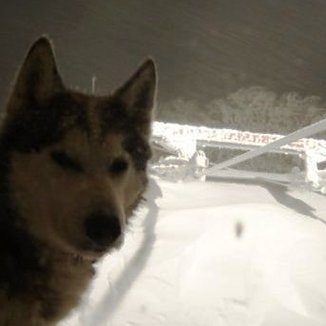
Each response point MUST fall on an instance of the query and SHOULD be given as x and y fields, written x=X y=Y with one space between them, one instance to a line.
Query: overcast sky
x=204 y=49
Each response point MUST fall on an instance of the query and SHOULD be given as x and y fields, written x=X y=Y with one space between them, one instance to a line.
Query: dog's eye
x=66 y=162
x=118 y=166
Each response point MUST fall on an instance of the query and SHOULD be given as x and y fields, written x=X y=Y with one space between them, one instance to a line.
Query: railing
x=184 y=141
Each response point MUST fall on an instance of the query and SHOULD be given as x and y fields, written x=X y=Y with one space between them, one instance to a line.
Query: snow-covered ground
x=215 y=254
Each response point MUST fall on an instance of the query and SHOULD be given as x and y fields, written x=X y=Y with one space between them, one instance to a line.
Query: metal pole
x=93 y=84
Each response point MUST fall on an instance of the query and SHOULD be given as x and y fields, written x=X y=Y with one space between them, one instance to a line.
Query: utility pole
x=93 y=84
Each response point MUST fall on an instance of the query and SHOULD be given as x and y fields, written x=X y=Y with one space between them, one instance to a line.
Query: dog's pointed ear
x=38 y=78
x=138 y=95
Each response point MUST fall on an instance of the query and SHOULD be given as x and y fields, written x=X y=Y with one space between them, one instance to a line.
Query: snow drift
x=215 y=254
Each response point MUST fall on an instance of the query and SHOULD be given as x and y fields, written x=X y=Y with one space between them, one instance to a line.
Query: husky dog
x=72 y=170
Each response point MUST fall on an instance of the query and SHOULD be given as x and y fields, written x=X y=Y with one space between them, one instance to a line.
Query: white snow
x=215 y=254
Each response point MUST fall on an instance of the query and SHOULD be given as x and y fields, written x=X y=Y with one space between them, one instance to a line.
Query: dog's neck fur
x=41 y=279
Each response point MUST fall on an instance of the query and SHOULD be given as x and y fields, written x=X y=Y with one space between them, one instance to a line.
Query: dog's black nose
x=103 y=229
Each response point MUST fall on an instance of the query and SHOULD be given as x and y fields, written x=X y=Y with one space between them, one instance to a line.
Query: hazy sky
x=204 y=49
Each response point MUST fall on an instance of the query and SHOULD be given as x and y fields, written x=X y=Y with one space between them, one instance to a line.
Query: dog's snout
x=103 y=229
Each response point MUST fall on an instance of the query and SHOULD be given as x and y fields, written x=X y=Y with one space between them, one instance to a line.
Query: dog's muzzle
x=103 y=229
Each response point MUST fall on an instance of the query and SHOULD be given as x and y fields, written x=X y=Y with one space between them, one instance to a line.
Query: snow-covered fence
x=184 y=140
x=294 y=141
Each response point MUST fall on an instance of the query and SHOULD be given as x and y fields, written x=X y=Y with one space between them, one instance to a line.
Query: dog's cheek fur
x=133 y=191
x=51 y=204
x=39 y=196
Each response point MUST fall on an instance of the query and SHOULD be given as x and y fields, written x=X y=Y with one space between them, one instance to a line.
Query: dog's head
x=77 y=162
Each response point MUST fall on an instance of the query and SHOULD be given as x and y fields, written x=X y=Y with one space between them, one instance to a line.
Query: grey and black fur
x=72 y=170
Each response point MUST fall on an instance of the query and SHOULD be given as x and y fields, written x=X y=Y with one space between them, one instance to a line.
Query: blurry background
x=256 y=65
